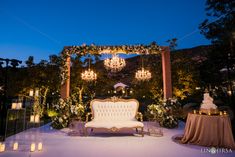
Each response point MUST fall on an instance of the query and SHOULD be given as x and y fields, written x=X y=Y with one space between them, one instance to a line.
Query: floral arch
x=152 y=48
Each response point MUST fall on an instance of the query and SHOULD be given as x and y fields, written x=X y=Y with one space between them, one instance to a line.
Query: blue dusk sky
x=42 y=27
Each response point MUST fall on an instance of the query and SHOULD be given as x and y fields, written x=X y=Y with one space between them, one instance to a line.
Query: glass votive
x=2 y=147
x=200 y=112
x=40 y=146
x=32 y=147
x=225 y=112
x=209 y=113
x=15 y=146
x=194 y=111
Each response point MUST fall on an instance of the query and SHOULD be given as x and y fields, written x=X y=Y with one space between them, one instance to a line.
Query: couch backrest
x=118 y=110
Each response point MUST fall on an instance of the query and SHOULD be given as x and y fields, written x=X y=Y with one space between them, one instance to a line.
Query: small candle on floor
x=209 y=113
x=200 y=112
x=2 y=148
x=40 y=146
x=194 y=111
x=15 y=146
x=32 y=147
x=225 y=112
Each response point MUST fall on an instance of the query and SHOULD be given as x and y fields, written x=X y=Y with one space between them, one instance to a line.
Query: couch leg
x=86 y=132
x=142 y=131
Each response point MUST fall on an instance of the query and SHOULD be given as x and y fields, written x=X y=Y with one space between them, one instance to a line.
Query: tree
x=30 y=61
x=221 y=33
x=221 y=30
x=172 y=43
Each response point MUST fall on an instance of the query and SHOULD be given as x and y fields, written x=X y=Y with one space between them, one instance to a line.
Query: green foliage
x=221 y=30
x=51 y=113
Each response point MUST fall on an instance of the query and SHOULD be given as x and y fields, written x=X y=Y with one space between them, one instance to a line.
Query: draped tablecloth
x=205 y=130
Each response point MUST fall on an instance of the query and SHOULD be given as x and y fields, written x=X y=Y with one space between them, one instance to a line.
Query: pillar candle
x=32 y=118
x=221 y=113
x=37 y=118
x=31 y=92
x=15 y=146
x=32 y=147
x=40 y=146
x=36 y=92
x=13 y=105
x=19 y=105
x=2 y=147
x=194 y=111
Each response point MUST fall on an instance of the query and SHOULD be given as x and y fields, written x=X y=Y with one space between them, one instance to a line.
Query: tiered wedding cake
x=208 y=105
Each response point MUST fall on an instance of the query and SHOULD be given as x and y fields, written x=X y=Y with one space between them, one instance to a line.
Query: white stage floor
x=56 y=143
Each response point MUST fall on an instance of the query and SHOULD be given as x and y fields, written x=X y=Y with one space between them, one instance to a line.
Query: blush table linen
x=205 y=130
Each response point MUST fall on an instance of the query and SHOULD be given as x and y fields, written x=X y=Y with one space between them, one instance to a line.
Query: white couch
x=114 y=114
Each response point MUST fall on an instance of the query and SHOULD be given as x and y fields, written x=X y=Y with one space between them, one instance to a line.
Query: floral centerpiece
x=167 y=113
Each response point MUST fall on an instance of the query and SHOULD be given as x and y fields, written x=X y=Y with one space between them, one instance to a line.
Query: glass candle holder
x=32 y=147
x=40 y=146
x=2 y=147
x=15 y=146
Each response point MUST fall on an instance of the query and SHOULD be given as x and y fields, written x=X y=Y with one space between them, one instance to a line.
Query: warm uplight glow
x=143 y=75
x=115 y=63
x=89 y=75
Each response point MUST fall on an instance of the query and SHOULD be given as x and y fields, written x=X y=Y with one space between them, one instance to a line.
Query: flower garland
x=166 y=113
x=64 y=68
x=84 y=49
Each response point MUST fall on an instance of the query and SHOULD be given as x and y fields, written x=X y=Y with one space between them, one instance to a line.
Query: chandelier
x=143 y=75
x=89 y=75
x=115 y=63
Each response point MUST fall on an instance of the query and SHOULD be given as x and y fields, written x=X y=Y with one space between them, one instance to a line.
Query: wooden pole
x=166 y=72
x=65 y=88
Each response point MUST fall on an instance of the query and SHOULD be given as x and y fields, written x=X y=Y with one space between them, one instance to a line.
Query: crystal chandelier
x=89 y=75
x=143 y=75
x=115 y=63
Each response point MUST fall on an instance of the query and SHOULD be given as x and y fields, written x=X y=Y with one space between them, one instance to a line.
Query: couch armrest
x=87 y=116
x=139 y=116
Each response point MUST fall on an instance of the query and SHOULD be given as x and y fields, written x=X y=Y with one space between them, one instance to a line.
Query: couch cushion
x=117 y=124
x=114 y=111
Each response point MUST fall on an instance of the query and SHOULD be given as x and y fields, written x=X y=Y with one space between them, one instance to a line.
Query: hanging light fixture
x=89 y=75
x=143 y=74
x=115 y=63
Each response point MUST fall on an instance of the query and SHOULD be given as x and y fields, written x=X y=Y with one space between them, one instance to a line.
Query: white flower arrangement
x=166 y=113
x=66 y=111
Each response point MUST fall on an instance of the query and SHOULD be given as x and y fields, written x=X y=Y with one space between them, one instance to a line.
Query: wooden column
x=166 y=72
x=65 y=88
